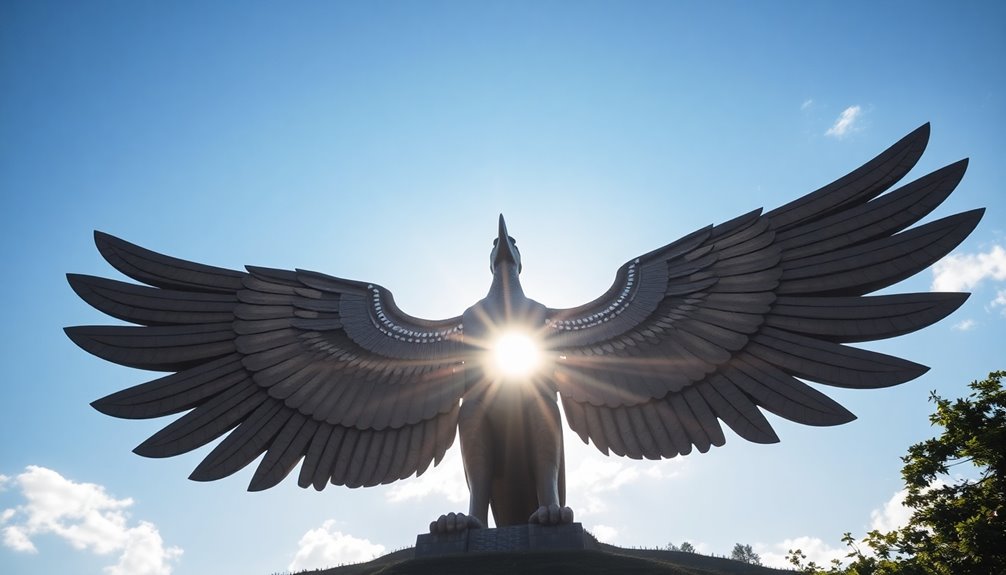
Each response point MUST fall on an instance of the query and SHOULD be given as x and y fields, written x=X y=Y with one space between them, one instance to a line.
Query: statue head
x=504 y=250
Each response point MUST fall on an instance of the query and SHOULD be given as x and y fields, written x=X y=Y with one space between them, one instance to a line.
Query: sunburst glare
x=516 y=354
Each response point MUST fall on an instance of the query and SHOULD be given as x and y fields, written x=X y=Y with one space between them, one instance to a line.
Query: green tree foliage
x=687 y=547
x=957 y=490
x=745 y=554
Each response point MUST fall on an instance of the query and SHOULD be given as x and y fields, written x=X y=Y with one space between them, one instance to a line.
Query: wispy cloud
x=446 y=480
x=593 y=478
x=327 y=547
x=604 y=533
x=807 y=104
x=845 y=123
x=86 y=517
x=892 y=515
x=967 y=271
x=961 y=272
x=965 y=325
x=814 y=548
x=1000 y=300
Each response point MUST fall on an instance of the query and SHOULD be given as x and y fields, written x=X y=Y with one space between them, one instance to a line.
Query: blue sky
x=379 y=141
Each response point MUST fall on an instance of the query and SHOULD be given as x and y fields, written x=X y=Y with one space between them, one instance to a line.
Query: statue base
x=529 y=537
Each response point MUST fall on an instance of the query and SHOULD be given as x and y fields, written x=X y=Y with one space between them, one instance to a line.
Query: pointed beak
x=503 y=235
x=505 y=249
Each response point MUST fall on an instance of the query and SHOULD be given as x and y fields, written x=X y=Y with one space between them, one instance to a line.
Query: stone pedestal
x=505 y=539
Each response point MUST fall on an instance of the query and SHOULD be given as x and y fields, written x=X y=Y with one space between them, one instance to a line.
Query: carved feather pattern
x=281 y=362
x=747 y=307
x=714 y=328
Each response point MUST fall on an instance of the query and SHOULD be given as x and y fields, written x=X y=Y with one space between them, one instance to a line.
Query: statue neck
x=506 y=283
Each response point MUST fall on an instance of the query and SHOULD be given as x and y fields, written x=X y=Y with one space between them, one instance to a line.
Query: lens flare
x=516 y=355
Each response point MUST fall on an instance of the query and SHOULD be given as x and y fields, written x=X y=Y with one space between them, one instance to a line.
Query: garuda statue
x=713 y=328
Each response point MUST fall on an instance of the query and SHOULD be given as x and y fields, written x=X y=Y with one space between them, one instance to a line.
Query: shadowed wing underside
x=294 y=364
x=718 y=326
x=731 y=318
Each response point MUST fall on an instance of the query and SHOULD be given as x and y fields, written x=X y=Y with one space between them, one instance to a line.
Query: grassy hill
x=608 y=559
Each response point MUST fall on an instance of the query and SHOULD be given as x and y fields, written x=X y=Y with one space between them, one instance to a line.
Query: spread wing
x=728 y=320
x=294 y=364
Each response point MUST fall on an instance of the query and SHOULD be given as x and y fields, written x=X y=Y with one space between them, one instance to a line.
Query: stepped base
x=504 y=539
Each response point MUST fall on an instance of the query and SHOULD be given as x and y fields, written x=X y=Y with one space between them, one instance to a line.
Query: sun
x=516 y=354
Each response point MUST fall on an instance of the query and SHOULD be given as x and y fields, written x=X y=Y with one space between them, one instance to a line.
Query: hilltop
x=607 y=559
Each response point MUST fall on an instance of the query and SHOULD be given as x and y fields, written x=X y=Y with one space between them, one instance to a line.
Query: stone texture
x=712 y=329
x=514 y=538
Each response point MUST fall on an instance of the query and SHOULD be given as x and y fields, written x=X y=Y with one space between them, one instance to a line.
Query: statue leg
x=476 y=453
x=546 y=430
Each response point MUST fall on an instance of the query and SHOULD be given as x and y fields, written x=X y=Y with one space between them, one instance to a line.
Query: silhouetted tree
x=958 y=525
x=745 y=554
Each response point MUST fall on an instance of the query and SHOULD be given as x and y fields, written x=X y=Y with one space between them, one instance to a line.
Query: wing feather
x=863 y=184
x=249 y=440
x=326 y=467
x=364 y=458
x=627 y=435
x=176 y=392
x=278 y=360
x=750 y=305
x=163 y=271
x=161 y=348
x=831 y=363
x=877 y=264
x=886 y=215
x=341 y=466
x=208 y=421
x=313 y=458
x=663 y=443
x=152 y=306
x=737 y=410
x=852 y=319
x=673 y=426
x=284 y=453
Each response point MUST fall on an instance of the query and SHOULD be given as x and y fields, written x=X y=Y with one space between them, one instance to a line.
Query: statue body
x=510 y=428
x=713 y=329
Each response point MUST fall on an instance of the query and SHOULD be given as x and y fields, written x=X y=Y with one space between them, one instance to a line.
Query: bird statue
x=711 y=329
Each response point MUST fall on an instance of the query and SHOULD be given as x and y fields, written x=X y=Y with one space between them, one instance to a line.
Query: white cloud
x=893 y=515
x=4 y=480
x=144 y=553
x=961 y=272
x=594 y=477
x=86 y=517
x=15 y=538
x=965 y=325
x=890 y=516
x=604 y=533
x=446 y=480
x=807 y=104
x=1000 y=300
x=845 y=122
x=6 y=515
x=815 y=549
x=326 y=547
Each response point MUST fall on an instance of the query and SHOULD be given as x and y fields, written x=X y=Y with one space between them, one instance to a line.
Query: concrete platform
x=506 y=539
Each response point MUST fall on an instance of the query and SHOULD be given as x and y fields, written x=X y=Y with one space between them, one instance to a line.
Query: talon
x=566 y=515
x=451 y=522
x=551 y=515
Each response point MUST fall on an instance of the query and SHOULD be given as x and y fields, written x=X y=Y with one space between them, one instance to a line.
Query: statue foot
x=451 y=522
x=551 y=515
